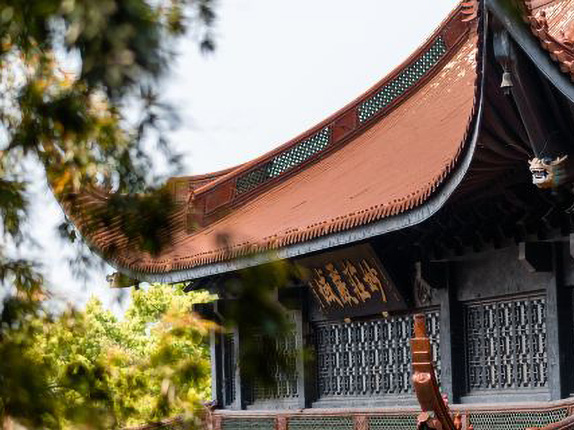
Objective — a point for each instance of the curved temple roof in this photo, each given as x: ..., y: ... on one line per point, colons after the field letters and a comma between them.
x: 384, y: 154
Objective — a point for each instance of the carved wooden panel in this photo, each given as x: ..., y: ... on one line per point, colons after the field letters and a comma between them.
x: 368, y: 358
x: 506, y: 344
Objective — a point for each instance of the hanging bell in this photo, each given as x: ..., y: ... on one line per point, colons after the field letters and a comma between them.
x: 506, y: 83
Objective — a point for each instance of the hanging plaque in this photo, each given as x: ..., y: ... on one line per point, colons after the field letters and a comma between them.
x: 351, y: 282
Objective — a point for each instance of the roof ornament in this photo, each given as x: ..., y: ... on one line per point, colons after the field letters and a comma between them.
x: 423, y: 290
x: 470, y: 10
x: 539, y: 21
x: 559, y: 46
x: 548, y: 173
x: 567, y: 36
x: 502, y: 50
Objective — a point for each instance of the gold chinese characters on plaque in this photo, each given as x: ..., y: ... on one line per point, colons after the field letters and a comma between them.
x: 351, y: 282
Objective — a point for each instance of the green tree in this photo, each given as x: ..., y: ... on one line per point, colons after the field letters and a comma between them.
x: 100, y: 371
x: 69, y: 72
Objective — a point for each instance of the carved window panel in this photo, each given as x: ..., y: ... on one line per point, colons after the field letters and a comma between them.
x: 369, y: 358
x: 284, y: 161
x: 506, y: 344
x: 285, y: 377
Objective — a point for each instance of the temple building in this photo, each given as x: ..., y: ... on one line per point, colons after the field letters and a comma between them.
x: 442, y: 195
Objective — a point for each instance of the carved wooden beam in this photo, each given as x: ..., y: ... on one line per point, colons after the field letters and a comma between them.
x: 426, y: 385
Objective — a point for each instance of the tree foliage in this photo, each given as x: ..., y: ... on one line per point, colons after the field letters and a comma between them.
x: 94, y: 370
x: 80, y: 83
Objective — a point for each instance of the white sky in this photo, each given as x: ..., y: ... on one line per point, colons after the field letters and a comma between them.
x: 279, y: 68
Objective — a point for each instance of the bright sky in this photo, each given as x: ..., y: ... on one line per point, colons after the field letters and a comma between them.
x: 280, y: 67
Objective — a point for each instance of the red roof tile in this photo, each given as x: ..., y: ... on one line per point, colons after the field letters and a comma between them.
x: 552, y: 21
x: 382, y: 155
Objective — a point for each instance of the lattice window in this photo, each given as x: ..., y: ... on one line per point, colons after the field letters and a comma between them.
x: 369, y: 358
x: 516, y: 420
x: 506, y: 344
x: 248, y: 424
x: 284, y: 161
x: 406, y: 79
x: 393, y: 422
x: 285, y: 377
x: 321, y: 423
x: 228, y: 369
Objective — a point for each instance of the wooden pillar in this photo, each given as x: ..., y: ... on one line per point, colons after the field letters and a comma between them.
x: 300, y: 341
x: 558, y: 327
x: 360, y: 422
x: 452, y: 345
x: 239, y: 402
x: 295, y: 301
x: 305, y: 366
x: 216, y: 368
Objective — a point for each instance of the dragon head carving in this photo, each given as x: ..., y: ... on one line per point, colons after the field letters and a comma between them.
x: 548, y: 173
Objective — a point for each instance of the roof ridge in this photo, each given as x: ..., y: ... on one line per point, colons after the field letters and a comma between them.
x: 207, y: 175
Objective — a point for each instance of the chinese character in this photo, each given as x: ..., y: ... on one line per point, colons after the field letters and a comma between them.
x: 371, y: 277
x: 324, y: 290
x: 340, y: 284
x: 352, y: 274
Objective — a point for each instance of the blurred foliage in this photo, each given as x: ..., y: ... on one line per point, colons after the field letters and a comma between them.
x: 81, y: 83
x: 253, y: 309
x: 89, y: 369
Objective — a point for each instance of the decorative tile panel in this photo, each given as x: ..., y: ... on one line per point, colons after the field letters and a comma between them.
x: 321, y: 423
x: 284, y: 161
x: 302, y: 151
x: 506, y: 344
x: 406, y: 79
x: 393, y: 422
x: 369, y: 358
x: 248, y: 424
x: 516, y: 420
